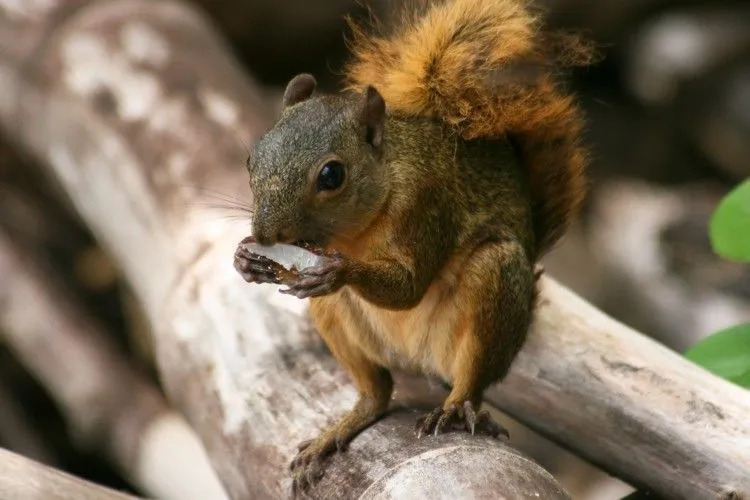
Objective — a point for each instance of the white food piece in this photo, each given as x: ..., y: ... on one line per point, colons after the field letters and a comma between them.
x: 290, y: 256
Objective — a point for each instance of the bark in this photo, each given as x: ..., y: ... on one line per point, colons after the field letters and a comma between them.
x: 24, y: 478
x: 138, y: 111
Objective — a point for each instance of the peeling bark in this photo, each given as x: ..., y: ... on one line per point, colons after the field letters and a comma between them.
x: 140, y: 113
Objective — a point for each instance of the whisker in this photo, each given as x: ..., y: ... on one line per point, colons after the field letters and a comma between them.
x: 242, y: 141
x: 215, y: 199
x: 224, y: 201
x: 225, y: 213
x: 226, y: 196
x: 219, y: 206
x: 233, y: 218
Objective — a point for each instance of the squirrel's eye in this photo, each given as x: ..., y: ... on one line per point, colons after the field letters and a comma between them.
x: 331, y: 176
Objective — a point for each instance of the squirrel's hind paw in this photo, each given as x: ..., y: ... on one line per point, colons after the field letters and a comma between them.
x: 444, y: 419
x: 309, y: 464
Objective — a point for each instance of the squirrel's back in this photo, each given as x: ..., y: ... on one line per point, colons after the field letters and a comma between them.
x: 486, y: 68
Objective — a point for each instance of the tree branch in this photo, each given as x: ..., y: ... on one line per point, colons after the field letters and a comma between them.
x: 627, y: 403
x: 137, y: 109
x: 107, y: 403
x: 24, y: 478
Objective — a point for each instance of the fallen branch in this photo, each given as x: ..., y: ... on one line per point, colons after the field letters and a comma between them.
x: 107, y: 404
x: 24, y: 478
x: 627, y: 403
x: 239, y: 360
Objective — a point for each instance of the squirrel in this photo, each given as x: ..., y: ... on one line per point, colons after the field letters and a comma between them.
x: 432, y: 184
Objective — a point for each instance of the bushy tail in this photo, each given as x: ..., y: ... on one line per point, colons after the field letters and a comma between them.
x: 485, y: 67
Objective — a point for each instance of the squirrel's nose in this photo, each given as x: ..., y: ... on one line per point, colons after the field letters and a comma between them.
x: 271, y: 237
x: 262, y: 234
x: 263, y: 239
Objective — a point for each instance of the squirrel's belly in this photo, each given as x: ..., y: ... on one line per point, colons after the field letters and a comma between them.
x: 425, y: 337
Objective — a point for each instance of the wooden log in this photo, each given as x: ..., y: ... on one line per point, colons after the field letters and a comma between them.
x: 107, y: 404
x: 141, y: 104
x: 627, y: 403
x: 240, y: 360
x: 24, y: 478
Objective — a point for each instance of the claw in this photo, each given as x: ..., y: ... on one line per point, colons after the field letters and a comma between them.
x: 341, y: 444
x: 304, y: 444
x: 426, y: 423
x: 446, y: 419
x: 488, y: 426
x: 470, y: 417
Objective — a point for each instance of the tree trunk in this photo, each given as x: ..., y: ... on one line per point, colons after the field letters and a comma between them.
x: 140, y: 113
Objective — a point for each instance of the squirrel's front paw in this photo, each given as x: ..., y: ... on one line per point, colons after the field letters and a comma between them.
x: 323, y: 279
x: 256, y: 268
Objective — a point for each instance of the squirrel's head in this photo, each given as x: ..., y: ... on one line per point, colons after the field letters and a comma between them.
x: 318, y: 173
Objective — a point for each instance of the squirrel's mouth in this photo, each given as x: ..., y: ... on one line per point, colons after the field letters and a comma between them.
x: 310, y: 246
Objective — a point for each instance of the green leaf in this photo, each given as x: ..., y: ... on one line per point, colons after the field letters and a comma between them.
x: 730, y: 225
x: 726, y: 353
x: 743, y: 380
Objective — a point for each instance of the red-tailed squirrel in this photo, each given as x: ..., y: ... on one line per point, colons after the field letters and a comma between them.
x: 434, y: 183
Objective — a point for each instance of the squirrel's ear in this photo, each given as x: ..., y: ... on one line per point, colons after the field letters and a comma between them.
x: 299, y: 88
x: 372, y: 115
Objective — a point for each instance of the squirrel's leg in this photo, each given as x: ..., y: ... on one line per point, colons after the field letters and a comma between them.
x: 500, y: 305
x: 373, y: 382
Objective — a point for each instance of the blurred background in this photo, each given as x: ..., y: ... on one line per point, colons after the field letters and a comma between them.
x: 668, y: 111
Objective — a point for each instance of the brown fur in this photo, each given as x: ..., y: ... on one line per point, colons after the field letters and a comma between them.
x: 485, y: 67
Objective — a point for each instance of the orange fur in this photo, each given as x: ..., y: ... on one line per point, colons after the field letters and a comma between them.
x: 486, y: 68
x: 422, y: 339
